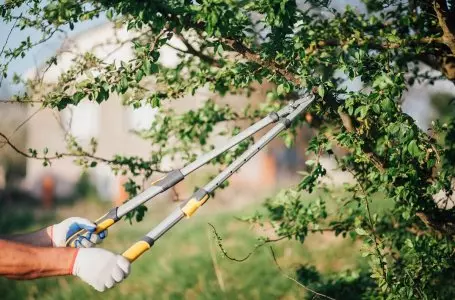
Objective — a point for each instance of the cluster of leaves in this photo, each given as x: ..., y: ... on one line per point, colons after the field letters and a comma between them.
x: 294, y: 217
x: 346, y: 285
x: 230, y: 46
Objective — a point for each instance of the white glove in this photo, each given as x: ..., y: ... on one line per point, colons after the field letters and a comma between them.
x: 60, y: 232
x: 100, y: 268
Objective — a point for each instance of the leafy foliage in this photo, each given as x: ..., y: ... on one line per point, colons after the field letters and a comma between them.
x: 232, y: 45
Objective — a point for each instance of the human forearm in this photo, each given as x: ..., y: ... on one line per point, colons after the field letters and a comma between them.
x: 19, y: 261
x: 56, y: 235
x: 100, y: 268
x: 40, y: 238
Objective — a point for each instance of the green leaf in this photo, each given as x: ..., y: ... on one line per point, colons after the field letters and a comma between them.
x: 409, y: 243
x: 213, y: 18
x: 366, y: 254
x: 139, y: 75
x: 147, y: 67
x: 321, y: 91
x: 123, y: 85
x: 220, y: 49
x: 376, y: 108
x: 406, y: 215
x: 78, y: 96
x: 154, y: 68
x: 280, y: 89
x: 109, y: 14
x: 310, y: 162
x: 361, y: 231
x: 431, y: 163
x: 414, y: 149
x: 155, y: 101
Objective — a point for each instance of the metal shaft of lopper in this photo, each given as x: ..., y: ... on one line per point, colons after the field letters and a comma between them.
x: 174, y: 177
x: 187, y: 209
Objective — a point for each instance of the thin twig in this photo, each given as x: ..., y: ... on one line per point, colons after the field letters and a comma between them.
x: 19, y: 102
x: 373, y: 230
x: 43, y: 40
x: 26, y: 120
x: 176, y: 197
x: 295, y: 280
x: 218, y: 274
x: 61, y: 155
x: 120, y: 44
x: 220, y: 245
x: 155, y: 41
x: 19, y: 126
x: 9, y: 34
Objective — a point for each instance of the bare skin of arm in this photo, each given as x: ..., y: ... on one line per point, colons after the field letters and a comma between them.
x: 19, y: 261
x: 39, y: 238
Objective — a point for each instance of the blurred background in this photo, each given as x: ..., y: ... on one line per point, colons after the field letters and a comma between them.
x: 187, y: 263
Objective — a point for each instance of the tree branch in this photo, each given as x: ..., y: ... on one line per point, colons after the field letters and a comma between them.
x: 19, y: 102
x: 371, y: 44
x: 254, y: 57
x: 347, y: 124
x: 441, y: 221
x: 7, y: 141
x: 447, y: 23
x: 191, y: 50
x: 220, y: 245
x: 157, y: 38
x: 250, y: 55
x: 82, y: 154
x: 9, y: 35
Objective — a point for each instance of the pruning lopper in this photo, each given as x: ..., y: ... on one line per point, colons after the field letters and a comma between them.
x: 283, y: 118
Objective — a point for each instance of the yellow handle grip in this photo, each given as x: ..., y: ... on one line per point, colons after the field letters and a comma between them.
x: 104, y: 225
x: 136, y: 250
x: 192, y: 205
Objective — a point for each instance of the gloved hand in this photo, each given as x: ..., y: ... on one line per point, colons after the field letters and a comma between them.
x: 100, y: 268
x: 60, y: 232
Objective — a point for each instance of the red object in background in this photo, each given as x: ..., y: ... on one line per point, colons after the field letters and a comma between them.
x: 308, y: 117
x: 48, y: 192
x: 269, y: 170
x: 122, y: 194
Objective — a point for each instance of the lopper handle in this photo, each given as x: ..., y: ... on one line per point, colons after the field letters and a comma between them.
x: 102, y: 224
x: 116, y: 213
x: 187, y: 209
x: 138, y: 248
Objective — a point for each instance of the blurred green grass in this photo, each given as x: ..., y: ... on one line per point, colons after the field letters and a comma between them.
x: 187, y: 263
